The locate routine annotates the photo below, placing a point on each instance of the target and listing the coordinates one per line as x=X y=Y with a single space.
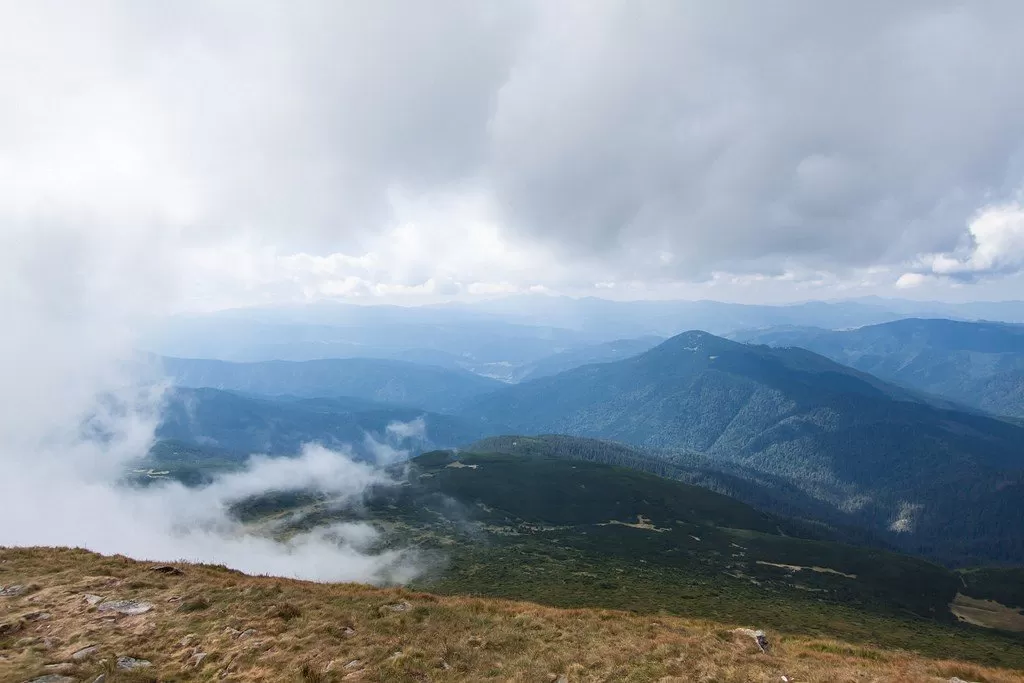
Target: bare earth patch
x=459 y=465
x=797 y=568
x=987 y=613
x=640 y=523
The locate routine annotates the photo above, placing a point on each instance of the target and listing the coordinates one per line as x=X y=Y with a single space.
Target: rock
x=12 y=591
x=102 y=678
x=348 y=631
x=196 y=659
x=563 y=678
x=125 y=606
x=85 y=652
x=167 y=569
x=188 y=639
x=354 y=664
x=246 y=634
x=131 y=663
x=62 y=667
x=233 y=632
x=53 y=678
x=9 y=627
x=758 y=636
x=36 y=616
x=93 y=599
x=402 y=606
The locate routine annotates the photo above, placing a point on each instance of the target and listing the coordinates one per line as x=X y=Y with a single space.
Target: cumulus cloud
x=389 y=150
x=994 y=246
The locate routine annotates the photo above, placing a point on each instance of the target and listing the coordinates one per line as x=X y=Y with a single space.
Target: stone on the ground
x=402 y=606
x=196 y=659
x=12 y=591
x=53 y=678
x=131 y=663
x=93 y=599
x=85 y=652
x=9 y=627
x=125 y=607
x=758 y=635
x=166 y=569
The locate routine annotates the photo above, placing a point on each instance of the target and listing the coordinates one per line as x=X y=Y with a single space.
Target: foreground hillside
x=943 y=483
x=978 y=364
x=583 y=534
x=198 y=622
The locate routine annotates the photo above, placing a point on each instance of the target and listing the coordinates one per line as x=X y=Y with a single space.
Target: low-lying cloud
x=78 y=410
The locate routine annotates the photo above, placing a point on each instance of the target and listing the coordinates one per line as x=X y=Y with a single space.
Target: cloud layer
x=387 y=150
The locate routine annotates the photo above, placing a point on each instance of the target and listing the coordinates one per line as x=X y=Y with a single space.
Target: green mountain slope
x=585 y=355
x=763 y=491
x=940 y=482
x=386 y=381
x=979 y=364
x=584 y=534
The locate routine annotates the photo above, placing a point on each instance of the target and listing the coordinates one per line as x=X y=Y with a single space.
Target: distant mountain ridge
x=385 y=381
x=247 y=424
x=979 y=364
x=942 y=482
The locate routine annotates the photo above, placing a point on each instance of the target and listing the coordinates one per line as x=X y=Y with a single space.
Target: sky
x=201 y=155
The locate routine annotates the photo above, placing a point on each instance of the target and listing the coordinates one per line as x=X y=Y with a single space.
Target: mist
x=80 y=409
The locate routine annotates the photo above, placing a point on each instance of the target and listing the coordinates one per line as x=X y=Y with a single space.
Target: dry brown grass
x=269 y=629
x=987 y=613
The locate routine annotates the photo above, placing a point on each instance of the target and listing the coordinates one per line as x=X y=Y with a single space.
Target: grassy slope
x=537 y=528
x=300 y=628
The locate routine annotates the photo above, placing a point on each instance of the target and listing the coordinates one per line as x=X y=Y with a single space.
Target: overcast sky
x=214 y=154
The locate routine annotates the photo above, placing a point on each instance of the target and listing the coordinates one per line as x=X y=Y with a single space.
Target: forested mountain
x=385 y=381
x=979 y=364
x=244 y=424
x=586 y=355
x=941 y=482
x=765 y=491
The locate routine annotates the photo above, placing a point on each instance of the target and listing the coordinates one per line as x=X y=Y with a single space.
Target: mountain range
x=942 y=482
x=978 y=364
x=232 y=423
x=784 y=428
x=383 y=381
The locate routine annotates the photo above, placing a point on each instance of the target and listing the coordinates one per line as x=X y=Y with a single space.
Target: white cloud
x=995 y=246
x=393 y=152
